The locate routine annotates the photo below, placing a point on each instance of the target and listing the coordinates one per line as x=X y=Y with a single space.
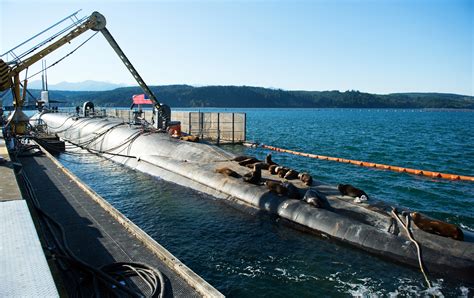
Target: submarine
x=370 y=225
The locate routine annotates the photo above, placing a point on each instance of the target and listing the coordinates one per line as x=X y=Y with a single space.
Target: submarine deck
x=101 y=235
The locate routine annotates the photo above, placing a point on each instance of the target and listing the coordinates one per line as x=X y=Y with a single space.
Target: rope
x=418 y=249
x=86 y=144
x=375 y=165
x=128 y=141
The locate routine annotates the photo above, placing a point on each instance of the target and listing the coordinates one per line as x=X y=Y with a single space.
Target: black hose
x=63 y=246
x=107 y=275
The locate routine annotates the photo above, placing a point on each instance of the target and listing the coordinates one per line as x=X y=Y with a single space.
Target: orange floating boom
x=376 y=165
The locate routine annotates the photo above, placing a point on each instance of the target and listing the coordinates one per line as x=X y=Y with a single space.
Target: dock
x=95 y=232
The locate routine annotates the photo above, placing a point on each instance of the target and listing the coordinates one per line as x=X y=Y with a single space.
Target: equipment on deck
x=10 y=71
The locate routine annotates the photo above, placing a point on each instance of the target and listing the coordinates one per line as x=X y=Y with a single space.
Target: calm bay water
x=248 y=255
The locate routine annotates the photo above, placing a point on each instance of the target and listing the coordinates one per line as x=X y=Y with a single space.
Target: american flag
x=140 y=100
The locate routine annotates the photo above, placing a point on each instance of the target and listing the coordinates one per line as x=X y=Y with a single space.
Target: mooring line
x=374 y=165
x=418 y=249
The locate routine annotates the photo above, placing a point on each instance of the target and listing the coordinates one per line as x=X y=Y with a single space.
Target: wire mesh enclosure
x=216 y=127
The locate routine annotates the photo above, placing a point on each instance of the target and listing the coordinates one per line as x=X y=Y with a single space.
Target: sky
x=372 y=46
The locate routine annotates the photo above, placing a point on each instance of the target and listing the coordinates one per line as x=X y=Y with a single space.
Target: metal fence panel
x=212 y=126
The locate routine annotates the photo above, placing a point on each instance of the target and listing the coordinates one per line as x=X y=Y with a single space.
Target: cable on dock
x=110 y=278
x=375 y=165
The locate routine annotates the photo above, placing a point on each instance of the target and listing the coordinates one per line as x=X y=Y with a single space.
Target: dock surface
x=99 y=236
x=9 y=190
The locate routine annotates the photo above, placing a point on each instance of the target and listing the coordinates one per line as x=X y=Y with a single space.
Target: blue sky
x=371 y=46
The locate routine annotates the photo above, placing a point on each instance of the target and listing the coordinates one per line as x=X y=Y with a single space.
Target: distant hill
x=257 y=97
x=77 y=86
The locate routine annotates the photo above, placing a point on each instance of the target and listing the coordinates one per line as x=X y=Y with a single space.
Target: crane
x=10 y=73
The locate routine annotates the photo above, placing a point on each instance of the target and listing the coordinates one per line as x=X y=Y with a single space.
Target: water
x=248 y=255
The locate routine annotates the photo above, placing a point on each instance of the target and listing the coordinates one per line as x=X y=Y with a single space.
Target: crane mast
x=10 y=75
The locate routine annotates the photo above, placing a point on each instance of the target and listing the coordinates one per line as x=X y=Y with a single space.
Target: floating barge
x=366 y=225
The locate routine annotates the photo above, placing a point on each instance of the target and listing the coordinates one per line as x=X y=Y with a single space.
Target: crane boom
x=129 y=65
x=96 y=22
x=9 y=75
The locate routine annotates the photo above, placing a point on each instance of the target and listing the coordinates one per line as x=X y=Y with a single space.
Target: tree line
x=257 y=97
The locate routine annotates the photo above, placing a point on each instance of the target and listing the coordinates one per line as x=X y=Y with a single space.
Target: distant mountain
x=257 y=97
x=77 y=86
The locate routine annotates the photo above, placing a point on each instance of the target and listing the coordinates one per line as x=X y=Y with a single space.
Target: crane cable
x=67 y=55
x=55 y=63
x=27 y=91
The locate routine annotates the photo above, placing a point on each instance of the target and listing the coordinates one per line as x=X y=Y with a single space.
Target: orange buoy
x=414 y=171
x=377 y=165
x=432 y=174
x=396 y=169
x=466 y=178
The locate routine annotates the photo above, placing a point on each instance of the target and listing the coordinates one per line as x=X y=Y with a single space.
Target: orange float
x=376 y=165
